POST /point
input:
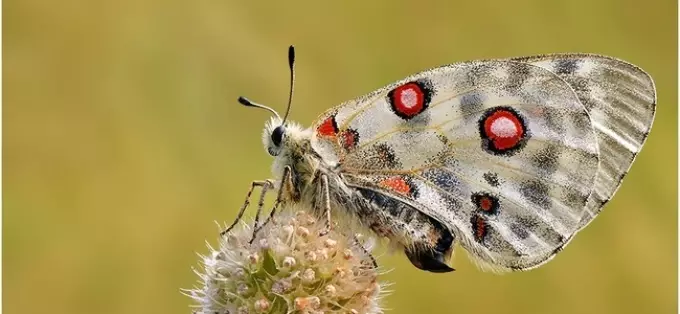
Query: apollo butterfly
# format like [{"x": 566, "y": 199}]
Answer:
[{"x": 510, "y": 158}]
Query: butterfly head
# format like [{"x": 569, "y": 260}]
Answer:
[
  {"x": 274, "y": 135},
  {"x": 276, "y": 139},
  {"x": 278, "y": 135},
  {"x": 275, "y": 131}
]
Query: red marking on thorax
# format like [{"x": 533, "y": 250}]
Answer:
[
  {"x": 414, "y": 94},
  {"x": 504, "y": 140},
  {"x": 328, "y": 127},
  {"x": 396, "y": 184}
]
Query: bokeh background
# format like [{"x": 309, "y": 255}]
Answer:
[{"x": 123, "y": 141}]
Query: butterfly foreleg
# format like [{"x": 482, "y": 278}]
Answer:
[
  {"x": 326, "y": 203},
  {"x": 287, "y": 183},
  {"x": 266, "y": 185},
  {"x": 260, "y": 205}
]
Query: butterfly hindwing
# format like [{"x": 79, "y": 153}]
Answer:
[
  {"x": 501, "y": 152},
  {"x": 621, "y": 100}
]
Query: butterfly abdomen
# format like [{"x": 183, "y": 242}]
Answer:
[{"x": 425, "y": 241}]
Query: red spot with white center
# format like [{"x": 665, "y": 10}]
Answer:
[
  {"x": 328, "y": 127},
  {"x": 408, "y": 100},
  {"x": 504, "y": 128}
]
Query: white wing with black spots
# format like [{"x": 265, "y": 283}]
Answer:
[{"x": 470, "y": 137}]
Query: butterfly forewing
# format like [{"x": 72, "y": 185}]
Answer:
[{"x": 501, "y": 152}]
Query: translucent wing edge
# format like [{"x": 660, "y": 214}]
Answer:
[{"x": 642, "y": 86}]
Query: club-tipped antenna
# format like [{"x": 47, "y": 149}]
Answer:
[
  {"x": 291, "y": 64},
  {"x": 246, "y": 102}
]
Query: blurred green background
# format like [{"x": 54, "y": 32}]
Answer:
[{"x": 123, "y": 141}]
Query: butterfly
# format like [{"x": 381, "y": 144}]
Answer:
[{"x": 509, "y": 158}]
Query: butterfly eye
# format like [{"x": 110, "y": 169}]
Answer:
[{"x": 277, "y": 135}]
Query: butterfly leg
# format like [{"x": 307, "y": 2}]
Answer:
[
  {"x": 260, "y": 205},
  {"x": 327, "y": 204},
  {"x": 361, "y": 246},
  {"x": 265, "y": 186},
  {"x": 287, "y": 180}
]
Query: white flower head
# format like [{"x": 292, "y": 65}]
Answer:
[{"x": 288, "y": 268}]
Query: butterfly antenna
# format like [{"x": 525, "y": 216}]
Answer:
[
  {"x": 291, "y": 64},
  {"x": 246, "y": 102}
]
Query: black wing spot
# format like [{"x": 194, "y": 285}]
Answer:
[
  {"x": 470, "y": 104},
  {"x": 443, "y": 179},
  {"x": 477, "y": 72},
  {"x": 519, "y": 74},
  {"x": 378, "y": 156},
  {"x": 492, "y": 179},
  {"x": 536, "y": 192},
  {"x": 520, "y": 230},
  {"x": 554, "y": 121},
  {"x": 547, "y": 159},
  {"x": 566, "y": 66}
]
